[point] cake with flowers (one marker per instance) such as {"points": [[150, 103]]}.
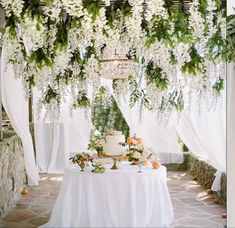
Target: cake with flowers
{"points": [[113, 143]]}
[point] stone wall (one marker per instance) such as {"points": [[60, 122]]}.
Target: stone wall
{"points": [[202, 172], [12, 172]]}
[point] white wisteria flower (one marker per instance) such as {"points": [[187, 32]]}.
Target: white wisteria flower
{"points": [[81, 36], [92, 73], [53, 9], [155, 7], [211, 7], [181, 52], [196, 21], [13, 6], [107, 2], [12, 46], [73, 7], [34, 33], [61, 61]]}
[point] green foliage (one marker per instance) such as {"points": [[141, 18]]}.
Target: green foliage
{"points": [[118, 9], [177, 100], [181, 30], [62, 33], [98, 169], [41, 58], [156, 76], [92, 7], [160, 30], [135, 93], [51, 94], [219, 86], [195, 65], [217, 47], [231, 38], [100, 94], [83, 100], [106, 117]]}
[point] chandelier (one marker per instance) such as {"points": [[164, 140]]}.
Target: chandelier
{"points": [[117, 66]]}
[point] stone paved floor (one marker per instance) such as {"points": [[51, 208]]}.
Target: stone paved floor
{"points": [[193, 207]]}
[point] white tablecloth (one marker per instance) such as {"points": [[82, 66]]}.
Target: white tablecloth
{"points": [[116, 198]]}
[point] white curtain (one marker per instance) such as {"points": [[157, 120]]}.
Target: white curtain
{"points": [[161, 139], [16, 107], [55, 143], [204, 133]]}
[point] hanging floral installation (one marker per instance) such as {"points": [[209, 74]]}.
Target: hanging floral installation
{"points": [[151, 50]]}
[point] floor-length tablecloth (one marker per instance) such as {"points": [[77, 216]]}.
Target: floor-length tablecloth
{"points": [[116, 198]]}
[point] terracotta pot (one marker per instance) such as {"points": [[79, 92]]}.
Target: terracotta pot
{"points": [[156, 164]]}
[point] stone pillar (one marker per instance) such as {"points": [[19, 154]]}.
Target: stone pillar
{"points": [[1, 134], [230, 134]]}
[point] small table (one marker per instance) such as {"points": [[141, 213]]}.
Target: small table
{"points": [[116, 198]]}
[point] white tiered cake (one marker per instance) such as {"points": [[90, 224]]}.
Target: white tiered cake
{"points": [[112, 143]]}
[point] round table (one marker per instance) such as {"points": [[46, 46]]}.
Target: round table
{"points": [[116, 198]]}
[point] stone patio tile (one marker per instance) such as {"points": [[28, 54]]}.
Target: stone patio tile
{"points": [[22, 206], [198, 222], [39, 209], [43, 202], [188, 200], [38, 221], [18, 215], [17, 225]]}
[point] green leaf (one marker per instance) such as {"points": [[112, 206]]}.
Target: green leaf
{"points": [[195, 65], [231, 38], [135, 93], [156, 76], [219, 86], [50, 95], [82, 100]]}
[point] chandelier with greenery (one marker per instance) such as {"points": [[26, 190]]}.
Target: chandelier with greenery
{"points": [[151, 49]]}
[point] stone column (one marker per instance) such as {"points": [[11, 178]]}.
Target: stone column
{"points": [[1, 135]]}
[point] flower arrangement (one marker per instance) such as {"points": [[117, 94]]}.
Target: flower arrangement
{"points": [[96, 143], [139, 154], [81, 159]]}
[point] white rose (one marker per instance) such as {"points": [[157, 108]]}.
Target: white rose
{"points": [[137, 155]]}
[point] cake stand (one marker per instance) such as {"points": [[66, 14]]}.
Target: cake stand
{"points": [[115, 158]]}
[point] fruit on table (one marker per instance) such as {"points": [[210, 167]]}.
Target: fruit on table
{"points": [[156, 164]]}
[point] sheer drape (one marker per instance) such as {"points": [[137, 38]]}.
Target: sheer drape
{"points": [[204, 133], [56, 142], [161, 139], [16, 107]]}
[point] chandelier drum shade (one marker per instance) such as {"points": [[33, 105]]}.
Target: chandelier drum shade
{"points": [[117, 66]]}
